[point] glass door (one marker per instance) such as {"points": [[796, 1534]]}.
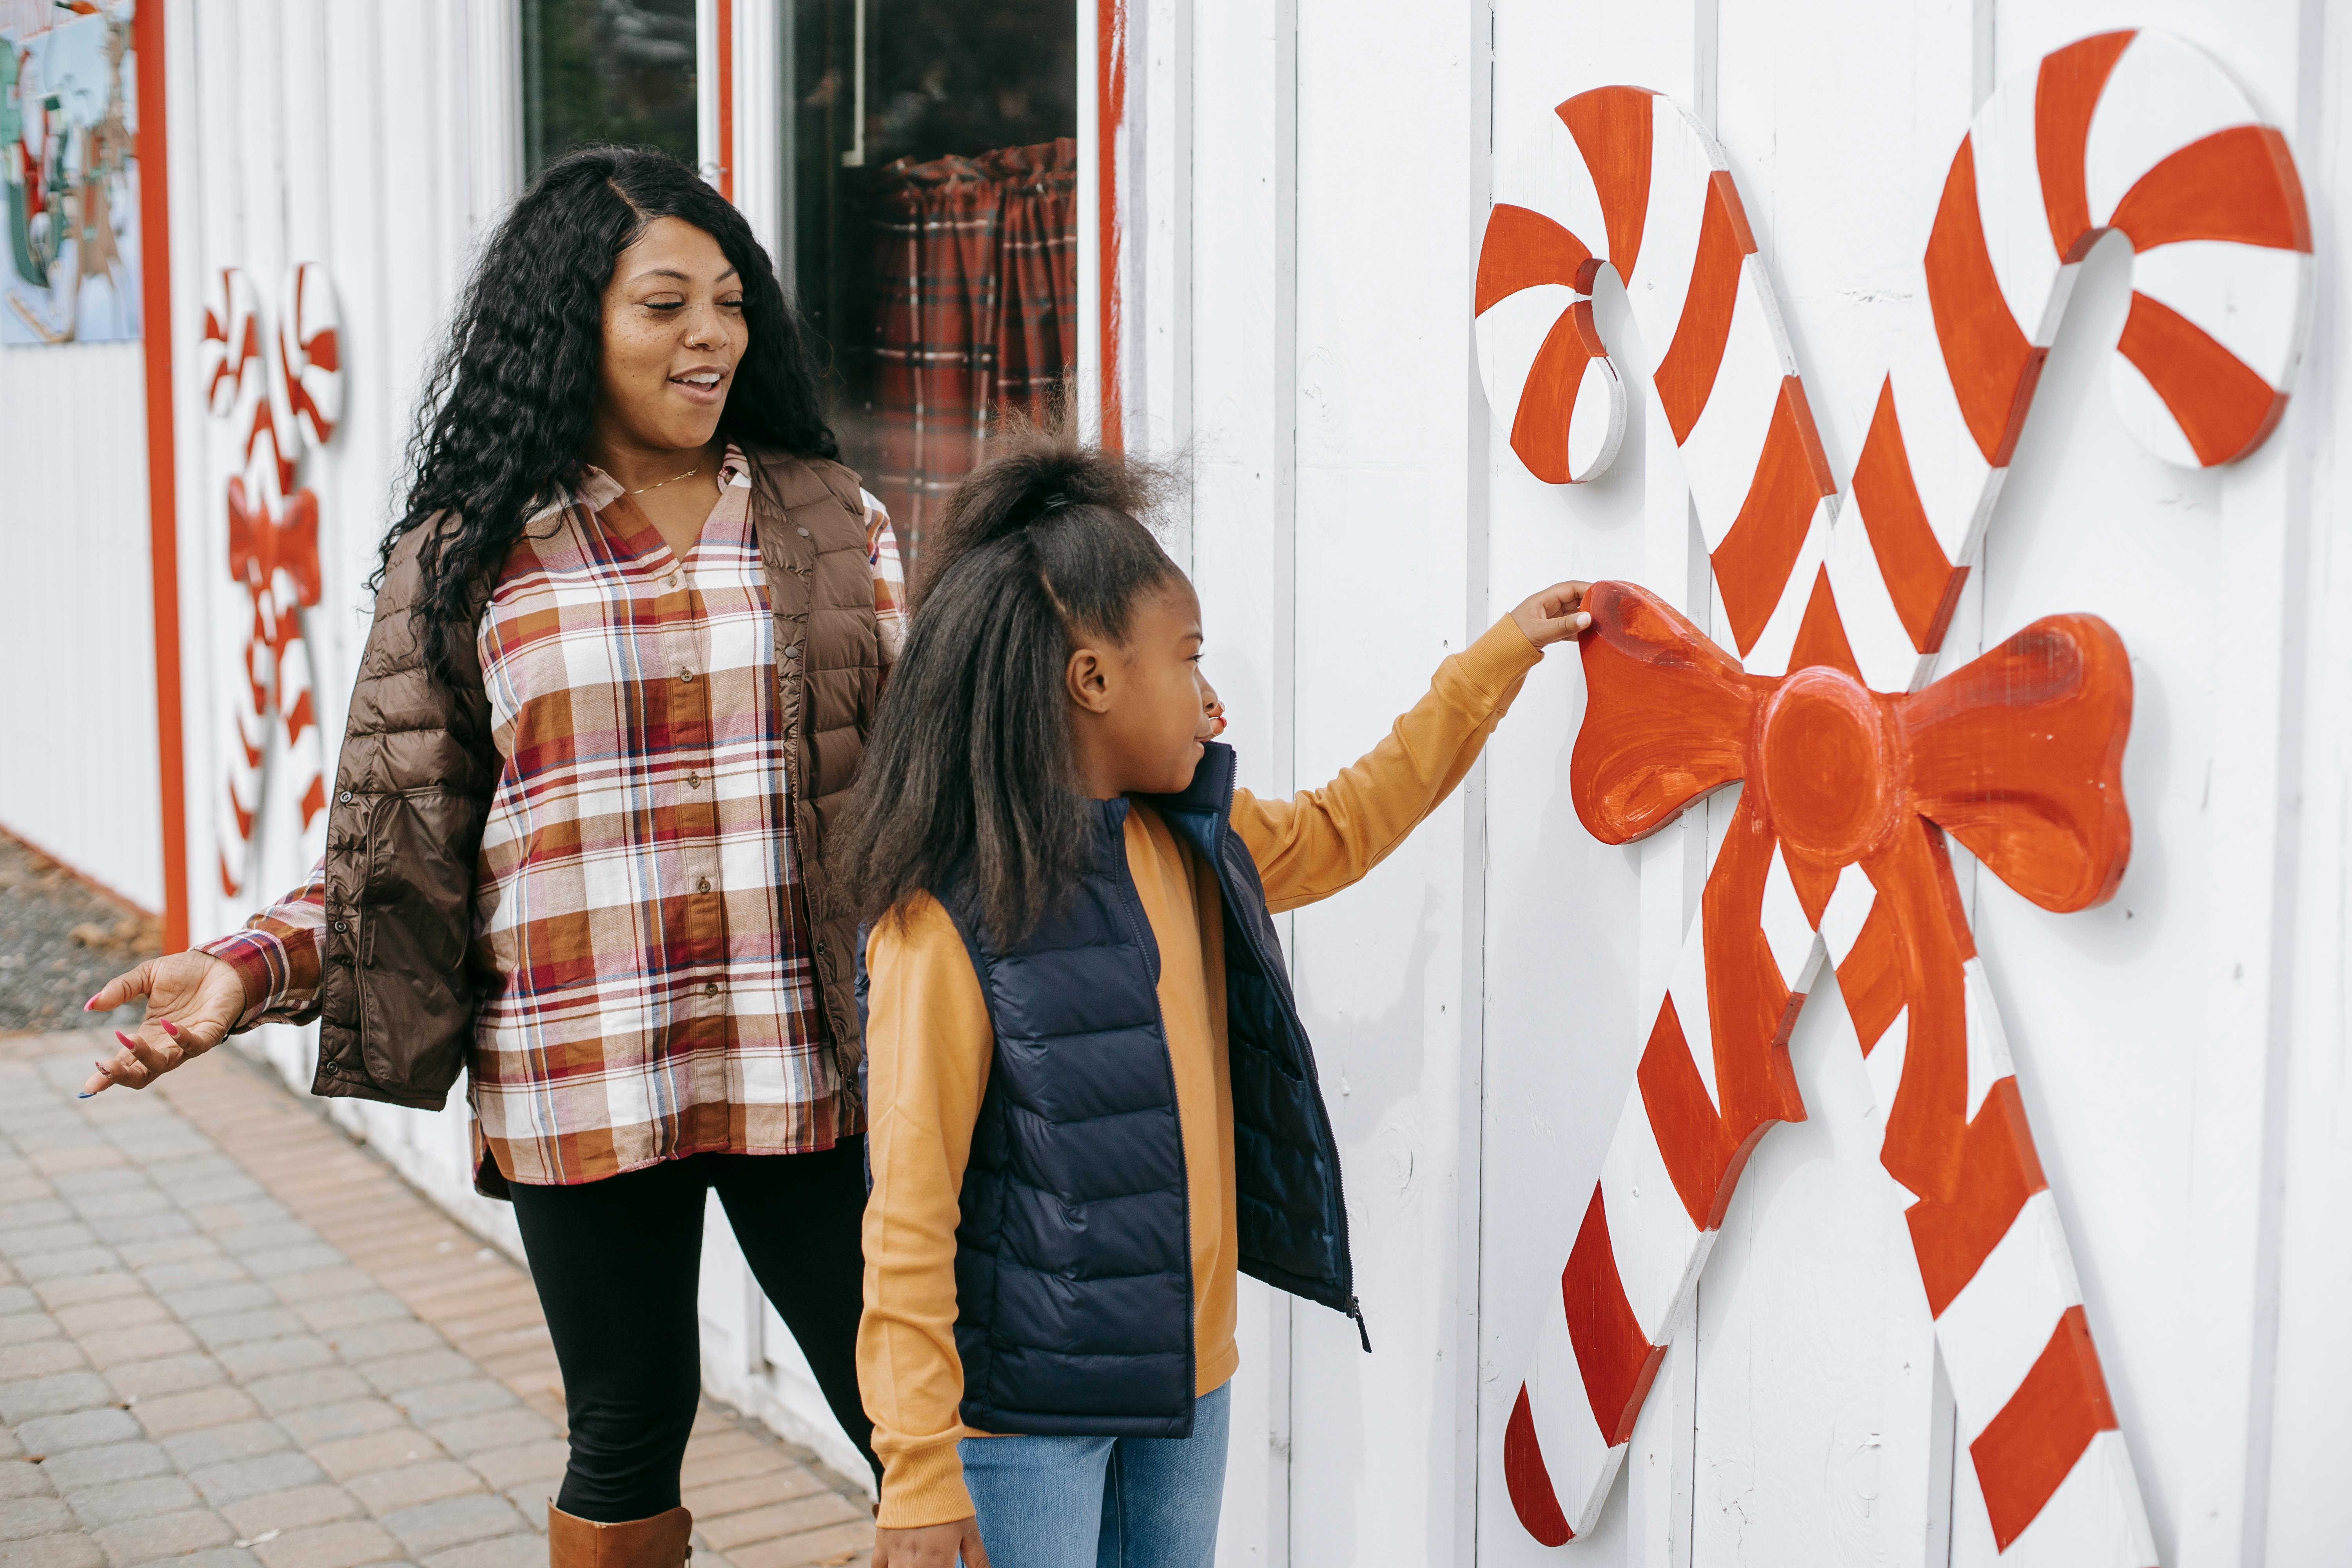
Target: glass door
{"points": [[932, 212], [607, 70]]}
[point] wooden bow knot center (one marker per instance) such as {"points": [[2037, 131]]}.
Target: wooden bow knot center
{"points": [[1827, 766]]}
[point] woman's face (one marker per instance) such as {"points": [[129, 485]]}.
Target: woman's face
{"points": [[674, 332]]}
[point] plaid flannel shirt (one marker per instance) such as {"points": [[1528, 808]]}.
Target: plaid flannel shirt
{"points": [[634, 897]]}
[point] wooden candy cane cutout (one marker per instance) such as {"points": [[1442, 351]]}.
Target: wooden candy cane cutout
{"points": [[274, 401], [307, 396], [1835, 851]]}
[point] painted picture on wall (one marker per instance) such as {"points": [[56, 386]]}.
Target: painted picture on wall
{"points": [[1855, 763], [69, 123]]}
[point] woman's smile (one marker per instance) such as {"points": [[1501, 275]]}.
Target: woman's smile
{"points": [[704, 386]]}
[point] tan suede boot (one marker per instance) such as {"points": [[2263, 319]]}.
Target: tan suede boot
{"points": [[657, 1542]]}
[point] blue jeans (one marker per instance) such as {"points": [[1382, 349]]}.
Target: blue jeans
{"points": [[1102, 1502]]}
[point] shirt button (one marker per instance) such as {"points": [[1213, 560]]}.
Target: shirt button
{"points": [[340, 926], [711, 989], [686, 675], [802, 532], [344, 796], [673, 579], [694, 781], [703, 886]]}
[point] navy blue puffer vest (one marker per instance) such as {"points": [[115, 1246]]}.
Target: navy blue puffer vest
{"points": [[1074, 1280]]}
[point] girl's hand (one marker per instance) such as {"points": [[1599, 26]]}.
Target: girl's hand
{"points": [[192, 1001], [1555, 615], [932, 1546]]}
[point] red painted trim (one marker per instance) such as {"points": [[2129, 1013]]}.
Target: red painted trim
{"points": [[162, 470], [726, 98], [1110, 114]]}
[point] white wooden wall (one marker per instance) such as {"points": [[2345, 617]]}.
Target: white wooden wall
{"points": [[1479, 1002], [1307, 185], [76, 621]]}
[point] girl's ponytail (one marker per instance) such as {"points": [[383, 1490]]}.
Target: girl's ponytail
{"points": [[968, 774]]}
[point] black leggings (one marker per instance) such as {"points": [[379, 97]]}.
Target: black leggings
{"points": [[618, 1263]]}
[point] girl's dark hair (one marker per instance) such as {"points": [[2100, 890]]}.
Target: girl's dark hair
{"points": [[968, 771], [504, 419]]}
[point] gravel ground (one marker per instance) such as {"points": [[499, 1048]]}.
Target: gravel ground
{"points": [[60, 939]]}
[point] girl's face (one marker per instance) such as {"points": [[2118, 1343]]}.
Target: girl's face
{"points": [[674, 332], [1143, 711]]}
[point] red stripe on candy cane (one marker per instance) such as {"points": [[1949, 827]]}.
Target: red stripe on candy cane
{"points": [[1920, 578], [2066, 91], [1793, 476], [1525, 249], [1532, 1497], [2222, 406], [1539, 433], [2238, 184], [1686, 374], [1992, 365], [2031, 1447], [1612, 130]]}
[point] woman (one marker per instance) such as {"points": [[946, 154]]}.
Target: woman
{"points": [[630, 628]]}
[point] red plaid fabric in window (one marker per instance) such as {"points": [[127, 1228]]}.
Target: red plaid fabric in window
{"points": [[635, 891], [978, 264]]}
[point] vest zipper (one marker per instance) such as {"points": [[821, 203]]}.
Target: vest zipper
{"points": [[1130, 901], [1354, 1311]]}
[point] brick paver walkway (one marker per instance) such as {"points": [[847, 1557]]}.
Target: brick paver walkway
{"points": [[232, 1338]]}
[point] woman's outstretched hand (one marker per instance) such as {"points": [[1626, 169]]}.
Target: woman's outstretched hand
{"points": [[933, 1546], [192, 1001], [1555, 615]]}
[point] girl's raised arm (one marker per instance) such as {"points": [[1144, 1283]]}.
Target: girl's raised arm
{"points": [[1322, 840]]}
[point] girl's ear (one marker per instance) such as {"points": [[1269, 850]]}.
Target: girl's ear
{"points": [[1088, 679]]}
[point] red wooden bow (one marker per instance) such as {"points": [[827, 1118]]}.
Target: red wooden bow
{"points": [[2018, 755]]}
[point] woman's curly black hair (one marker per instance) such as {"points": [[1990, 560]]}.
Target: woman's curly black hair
{"points": [[503, 422], [970, 772]]}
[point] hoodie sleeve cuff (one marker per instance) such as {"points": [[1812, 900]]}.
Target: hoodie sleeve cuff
{"points": [[924, 1486]]}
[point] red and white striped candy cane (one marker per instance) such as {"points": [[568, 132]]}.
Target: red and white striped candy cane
{"points": [[307, 403], [274, 402], [1835, 616]]}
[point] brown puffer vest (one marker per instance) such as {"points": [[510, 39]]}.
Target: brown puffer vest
{"points": [[413, 791]]}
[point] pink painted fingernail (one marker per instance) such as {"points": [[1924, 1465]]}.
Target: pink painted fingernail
{"points": [[128, 1043], [90, 1005], [165, 1024], [104, 1070]]}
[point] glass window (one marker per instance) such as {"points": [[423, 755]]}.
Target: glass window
{"points": [[607, 70], [934, 237]]}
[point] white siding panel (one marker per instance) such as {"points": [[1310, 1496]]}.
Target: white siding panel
{"points": [[77, 623]]}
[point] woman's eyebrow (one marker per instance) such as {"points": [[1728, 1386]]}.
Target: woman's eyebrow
{"points": [[682, 276]]}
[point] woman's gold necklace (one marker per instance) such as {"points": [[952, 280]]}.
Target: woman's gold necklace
{"points": [[671, 480]]}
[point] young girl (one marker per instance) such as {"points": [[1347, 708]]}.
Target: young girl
{"points": [[1092, 1101]]}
